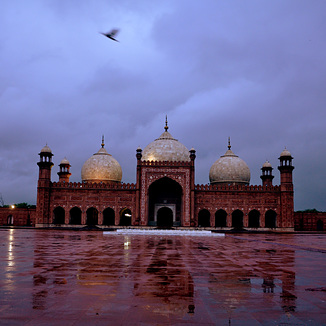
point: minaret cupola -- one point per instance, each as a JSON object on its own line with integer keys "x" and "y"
{"x": 64, "y": 173}
{"x": 267, "y": 177}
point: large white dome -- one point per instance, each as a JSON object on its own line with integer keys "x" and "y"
{"x": 229, "y": 169}
{"x": 101, "y": 167}
{"x": 166, "y": 148}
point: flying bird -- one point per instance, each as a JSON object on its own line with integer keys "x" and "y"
{"x": 111, "y": 34}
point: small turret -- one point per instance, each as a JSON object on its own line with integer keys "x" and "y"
{"x": 192, "y": 154}
{"x": 64, "y": 173}
{"x": 139, "y": 153}
{"x": 286, "y": 167}
{"x": 267, "y": 177}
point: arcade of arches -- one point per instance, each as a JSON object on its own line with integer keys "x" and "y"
{"x": 165, "y": 217}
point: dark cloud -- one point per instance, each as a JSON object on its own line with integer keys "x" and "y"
{"x": 251, "y": 70}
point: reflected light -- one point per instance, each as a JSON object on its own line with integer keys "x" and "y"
{"x": 126, "y": 243}
{"x": 10, "y": 257}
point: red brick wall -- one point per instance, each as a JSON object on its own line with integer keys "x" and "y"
{"x": 84, "y": 196}
{"x": 244, "y": 198}
{"x": 307, "y": 221}
{"x": 20, "y": 216}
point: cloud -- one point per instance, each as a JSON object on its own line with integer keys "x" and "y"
{"x": 254, "y": 71}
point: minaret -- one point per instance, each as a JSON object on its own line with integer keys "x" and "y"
{"x": 192, "y": 156}
{"x": 287, "y": 204}
{"x": 286, "y": 168}
{"x": 64, "y": 173}
{"x": 138, "y": 184}
{"x": 267, "y": 177}
{"x": 45, "y": 164}
{"x": 43, "y": 187}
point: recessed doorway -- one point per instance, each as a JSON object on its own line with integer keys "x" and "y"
{"x": 164, "y": 215}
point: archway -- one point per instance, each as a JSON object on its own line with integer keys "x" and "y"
{"x": 75, "y": 216}
{"x": 254, "y": 217}
{"x": 204, "y": 217}
{"x": 58, "y": 215}
{"x": 165, "y": 217}
{"x": 320, "y": 225}
{"x": 10, "y": 220}
{"x": 220, "y": 218}
{"x": 108, "y": 216}
{"x": 165, "y": 192}
{"x": 92, "y": 216}
{"x": 270, "y": 219}
{"x": 125, "y": 217}
{"x": 237, "y": 219}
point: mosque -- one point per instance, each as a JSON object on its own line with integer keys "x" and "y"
{"x": 165, "y": 194}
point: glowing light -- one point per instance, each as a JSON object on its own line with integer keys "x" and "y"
{"x": 10, "y": 257}
{"x": 126, "y": 243}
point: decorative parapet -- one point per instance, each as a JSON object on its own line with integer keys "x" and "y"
{"x": 166, "y": 163}
{"x": 90, "y": 185}
{"x": 225, "y": 187}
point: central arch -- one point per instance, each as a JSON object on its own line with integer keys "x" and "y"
{"x": 165, "y": 193}
{"x": 165, "y": 217}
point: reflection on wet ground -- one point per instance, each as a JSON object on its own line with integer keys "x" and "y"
{"x": 50, "y": 277}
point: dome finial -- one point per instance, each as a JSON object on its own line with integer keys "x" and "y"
{"x": 166, "y": 123}
{"x": 229, "y": 144}
{"x": 102, "y": 141}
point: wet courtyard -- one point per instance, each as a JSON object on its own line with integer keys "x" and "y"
{"x": 55, "y": 277}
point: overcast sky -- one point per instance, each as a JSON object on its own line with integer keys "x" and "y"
{"x": 253, "y": 70}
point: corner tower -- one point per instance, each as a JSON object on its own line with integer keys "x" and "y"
{"x": 43, "y": 187}
{"x": 286, "y": 187}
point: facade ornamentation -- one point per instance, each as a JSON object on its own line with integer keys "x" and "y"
{"x": 165, "y": 194}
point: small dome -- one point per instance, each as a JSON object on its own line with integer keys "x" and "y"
{"x": 267, "y": 165}
{"x": 101, "y": 167}
{"x": 166, "y": 148}
{"x": 64, "y": 162}
{"x": 230, "y": 169}
{"x": 285, "y": 153}
{"x": 46, "y": 149}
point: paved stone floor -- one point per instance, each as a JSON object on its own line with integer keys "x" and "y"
{"x": 50, "y": 277}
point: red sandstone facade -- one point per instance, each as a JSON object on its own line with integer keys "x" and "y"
{"x": 17, "y": 216}
{"x": 165, "y": 195}
{"x": 309, "y": 221}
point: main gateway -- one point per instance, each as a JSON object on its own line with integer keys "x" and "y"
{"x": 165, "y": 194}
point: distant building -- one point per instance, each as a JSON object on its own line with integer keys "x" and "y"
{"x": 165, "y": 194}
